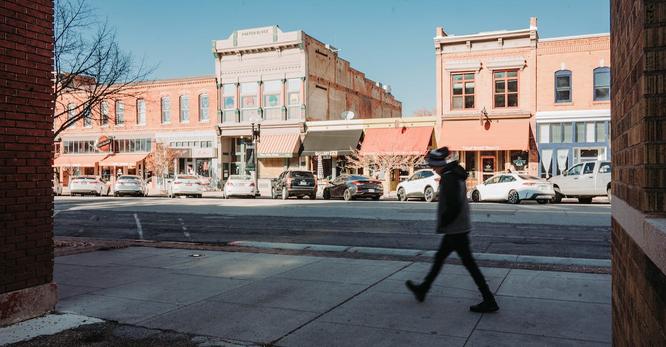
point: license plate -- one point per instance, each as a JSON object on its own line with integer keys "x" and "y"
{"x": 371, "y": 190}
{"x": 303, "y": 183}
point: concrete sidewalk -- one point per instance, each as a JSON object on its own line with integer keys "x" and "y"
{"x": 289, "y": 300}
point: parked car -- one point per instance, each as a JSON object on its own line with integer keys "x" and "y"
{"x": 187, "y": 185}
{"x": 298, "y": 183}
{"x": 88, "y": 185}
{"x": 513, "y": 188}
{"x": 130, "y": 185}
{"x": 423, "y": 184}
{"x": 350, "y": 187}
{"x": 583, "y": 181}
{"x": 240, "y": 185}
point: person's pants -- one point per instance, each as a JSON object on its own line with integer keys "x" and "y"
{"x": 460, "y": 244}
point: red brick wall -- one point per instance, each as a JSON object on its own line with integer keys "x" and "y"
{"x": 26, "y": 199}
{"x": 638, "y": 119}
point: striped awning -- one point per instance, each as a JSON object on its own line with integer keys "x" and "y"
{"x": 78, "y": 160}
{"x": 278, "y": 146}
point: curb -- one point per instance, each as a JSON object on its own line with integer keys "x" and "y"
{"x": 511, "y": 258}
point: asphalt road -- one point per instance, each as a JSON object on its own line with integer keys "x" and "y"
{"x": 566, "y": 230}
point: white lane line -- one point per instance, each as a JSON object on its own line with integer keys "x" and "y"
{"x": 139, "y": 229}
{"x": 182, "y": 225}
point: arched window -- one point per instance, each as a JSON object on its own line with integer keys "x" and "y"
{"x": 602, "y": 84}
{"x": 166, "y": 115}
{"x": 140, "y": 111}
{"x": 203, "y": 107}
{"x": 562, "y": 86}
{"x": 184, "y": 108}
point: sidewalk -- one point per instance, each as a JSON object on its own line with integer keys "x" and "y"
{"x": 319, "y": 301}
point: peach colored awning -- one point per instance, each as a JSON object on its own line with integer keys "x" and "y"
{"x": 400, "y": 141}
{"x": 494, "y": 135}
{"x": 78, "y": 160}
{"x": 278, "y": 146}
{"x": 123, "y": 159}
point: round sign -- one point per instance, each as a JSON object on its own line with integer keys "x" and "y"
{"x": 104, "y": 143}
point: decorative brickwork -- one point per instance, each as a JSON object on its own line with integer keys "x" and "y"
{"x": 638, "y": 48}
{"x": 26, "y": 199}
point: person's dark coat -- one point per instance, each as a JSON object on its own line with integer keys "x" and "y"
{"x": 453, "y": 215}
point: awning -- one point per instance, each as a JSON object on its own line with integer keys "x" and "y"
{"x": 278, "y": 146}
{"x": 399, "y": 141}
{"x": 333, "y": 143}
{"x": 493, "y": 135}
{"x": 78, "y": 160}
{"x": 123, "y": 159}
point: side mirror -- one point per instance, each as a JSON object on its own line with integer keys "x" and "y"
{"x": 564, "y": 173}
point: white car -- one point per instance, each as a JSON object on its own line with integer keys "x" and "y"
{"x": 187, "y": 185}
{"x": 88, "y": 185}
{"x": 57, "y": 187}
{"x": 584, "y": 181}
{"x": 240, "y": 185}
{"x": 130, "y": 185}
{"x": 423, "y": 184}
{"x": 513, "y": 188}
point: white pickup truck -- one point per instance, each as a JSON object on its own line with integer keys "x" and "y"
{"x": 583, "y": 181}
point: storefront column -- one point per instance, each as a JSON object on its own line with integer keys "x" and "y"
{"x": 334, "y": 163}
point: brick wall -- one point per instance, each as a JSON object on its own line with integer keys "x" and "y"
{"x": 638, "y": 117}
{"x": 26, "y": 201}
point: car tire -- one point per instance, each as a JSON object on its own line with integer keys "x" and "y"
{"x": 476, "y": 196}
{"x": 313, "y": 196}
{"x": 376, "y": 198}
{"x": 513, "y": 197}
{"x": 327, "y": 194}
{"x": 299, "y": 197}
{"x": 542, "y": 201}
{"x": 347, "y": 195}
{"x": 429, "y": 194}
{"x": 401, "y": 194}
{"x": 285, "y": 194}
{"x": 585, "y": 200}
{"x": 608, "y": 194}
{"x": 558, "y": 196}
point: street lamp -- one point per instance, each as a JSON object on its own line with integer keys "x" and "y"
{"x": 256, "y": 138}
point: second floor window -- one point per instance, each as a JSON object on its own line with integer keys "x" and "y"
{"x": 104, "y": 110}
{"x": 203, "y": 108}
{"x": 141, "y": 112}
{"x": 70, "y": 114}
{"x": 602, "y": 84}
{"x": 462, "y": 91}
{"x": 184, "y": 108}
{"x": 563, "y": 86}
{"x": 87, "y": 118}
{"x": 505, "y": 88}
{"x": 120, "y": 113}
{"x": 166, "y": 115}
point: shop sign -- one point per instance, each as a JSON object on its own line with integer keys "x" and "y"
{"x": 203, "y": 152}
{"x": 328, "y": 154}
{"x": 104, "y": 143}
{"x": 275, "y": 155}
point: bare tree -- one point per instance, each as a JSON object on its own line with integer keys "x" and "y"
{"x": 423, "y": 112}
{"x": 383, "y": 163}
{"x": 90, "y": 67}
{"x": 161, "y": 160}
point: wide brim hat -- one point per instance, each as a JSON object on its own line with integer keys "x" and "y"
{"x": 437, "y": 157}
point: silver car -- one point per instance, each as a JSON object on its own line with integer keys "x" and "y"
{"x": 130, "y": 185}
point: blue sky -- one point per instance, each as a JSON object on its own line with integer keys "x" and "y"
{"x": 390, "y": 41}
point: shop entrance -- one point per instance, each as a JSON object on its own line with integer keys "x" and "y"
{"x": 488, "y": 165}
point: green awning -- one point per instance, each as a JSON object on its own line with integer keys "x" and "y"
{"x": 333, "y": 143}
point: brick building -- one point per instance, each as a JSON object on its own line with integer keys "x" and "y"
{"x": 494, "y": 87}
{"x": 638, "y": 46}
{"x": 26, "y": 203}
{"x": 283, "y": 80}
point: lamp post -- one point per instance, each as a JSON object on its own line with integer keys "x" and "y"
{"x": 256, "y": 138}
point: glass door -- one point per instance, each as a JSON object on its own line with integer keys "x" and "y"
{"x": 487, "y": 167}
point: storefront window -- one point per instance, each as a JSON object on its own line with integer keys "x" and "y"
{"x": 132, "y": 145}
{"x": 470, "y": 163}
{"x": 544, "y": 133}
{"x": 79, "y": 147}
{"x": 519, "y": 160}
{"x": 601, "y": 132}
{"x": 203, "y": 167}
{"x": 567, "y": 130}
{"x": 581, "y": 135}
{"x": 556, "y": 133}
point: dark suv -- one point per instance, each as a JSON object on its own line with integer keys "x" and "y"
{"x": 296, "y": 183}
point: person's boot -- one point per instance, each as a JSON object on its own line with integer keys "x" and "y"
{"x": 419, "y": 290}
{"x": 486, "y": 306}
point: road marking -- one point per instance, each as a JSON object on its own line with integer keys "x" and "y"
{"x": 139, "y": 229}
{"x": 182, "y": 225}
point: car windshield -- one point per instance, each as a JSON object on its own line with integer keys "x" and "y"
{"x": 529, "y": 178}
{"x": 301, "y": 174}
{"x": 128, "y": 178}
{"x": 85, "y": 178}
{"x": 358, "y": 178}
{"x": 239, "y": 177}
{"x": 186, "y": 177}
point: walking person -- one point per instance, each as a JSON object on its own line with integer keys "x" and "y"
{"x": 453, "y": 220}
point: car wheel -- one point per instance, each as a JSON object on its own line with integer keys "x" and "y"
{"x": 476, "y": 196}
{"x": 327, "y": 194}
{"x": 429, "y": 194}
{"x": 558, "y": 196}
{"x": 375, "y": 198}
{"x": 313, "y": 196}
{"x": 299, "y": 197}
{"x": 199, "y": 196}
{"x": 608, "y": 194}
{"x": 116, "y": 195}
{"x": 401, "y": 194}
{"x": 347, "y": 195}
{"x": 542, "y": 201}
{"x": 513, "y": 197}
{"x": 585, "y": 200}
{"x": 285, "y": 194}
